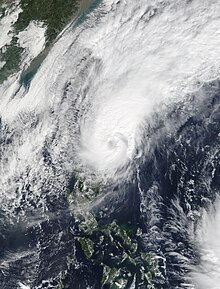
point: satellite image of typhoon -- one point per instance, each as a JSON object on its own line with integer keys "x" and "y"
{"x": 109, "y": 144}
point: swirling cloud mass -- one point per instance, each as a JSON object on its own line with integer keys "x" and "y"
{"x": 87, "y": 110}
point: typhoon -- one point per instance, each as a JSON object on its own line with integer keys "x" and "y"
{"x": 125, "y": 104}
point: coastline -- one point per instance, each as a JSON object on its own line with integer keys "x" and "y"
{"x": 54, "y": 30}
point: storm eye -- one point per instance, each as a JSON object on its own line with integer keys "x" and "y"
{"x": 112, "y": 143}
{"x": 116, "y": 140}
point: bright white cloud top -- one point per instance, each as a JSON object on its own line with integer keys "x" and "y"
{"x": 100, "y": 83}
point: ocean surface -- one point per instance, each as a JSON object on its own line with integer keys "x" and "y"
{"x": 128, "y": 100}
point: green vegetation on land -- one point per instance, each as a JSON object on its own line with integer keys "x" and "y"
{"x": 84, "y": 192}
{"x": 54, "y": 14}
{"x": 10, "y": 54}
{"x": 114, "y": 251}
{"x": 115, "y": 247}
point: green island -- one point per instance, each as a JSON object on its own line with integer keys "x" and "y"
{"x": 113, "y": 249}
